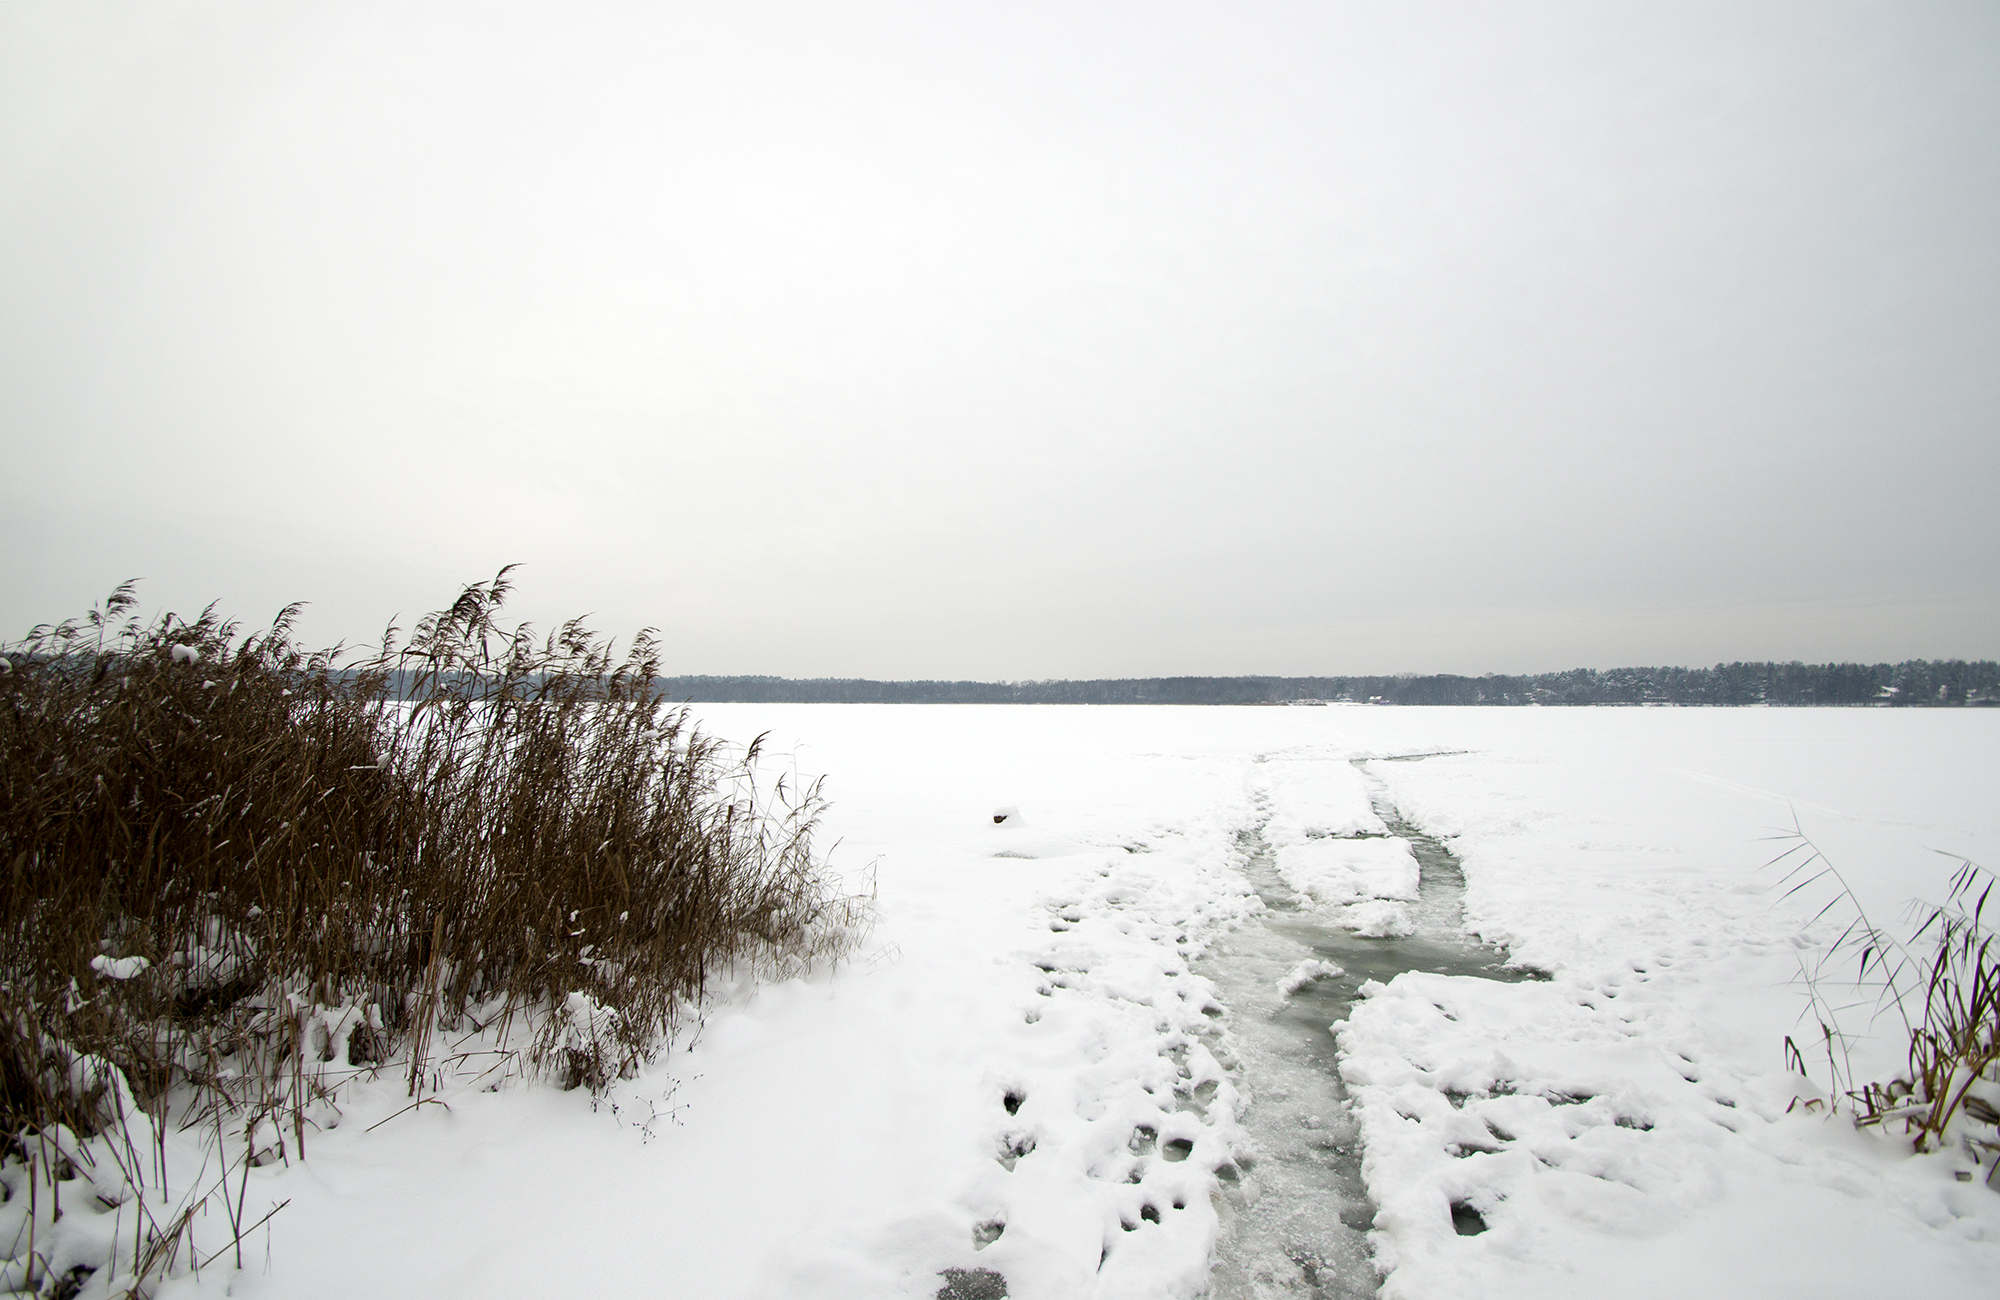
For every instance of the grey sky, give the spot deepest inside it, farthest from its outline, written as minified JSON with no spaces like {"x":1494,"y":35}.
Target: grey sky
{"x":1013,"y":339}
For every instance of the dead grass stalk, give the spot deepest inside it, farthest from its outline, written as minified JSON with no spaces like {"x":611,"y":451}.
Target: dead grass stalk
{"x":1941,"y":985}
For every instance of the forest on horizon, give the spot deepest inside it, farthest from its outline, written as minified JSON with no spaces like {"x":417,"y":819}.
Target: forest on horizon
{"x":1915,"y":682}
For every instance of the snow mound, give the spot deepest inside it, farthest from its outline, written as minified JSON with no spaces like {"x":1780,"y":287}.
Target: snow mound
{"x":1377,"y":919}
{"x":1316,"y":797}
{"x":1338,"y":872}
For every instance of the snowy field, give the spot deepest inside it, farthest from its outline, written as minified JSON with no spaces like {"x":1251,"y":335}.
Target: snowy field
{"x":1028,"y":1069}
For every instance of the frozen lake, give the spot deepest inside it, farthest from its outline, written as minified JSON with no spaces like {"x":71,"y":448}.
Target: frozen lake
{"x":1065,"y":1062}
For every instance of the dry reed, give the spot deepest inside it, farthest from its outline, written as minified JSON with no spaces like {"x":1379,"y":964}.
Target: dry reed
{"x":1942,"y":984}
{"x":230,"y":858}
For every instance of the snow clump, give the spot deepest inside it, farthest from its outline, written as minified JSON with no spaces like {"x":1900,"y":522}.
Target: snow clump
{"x":119,"y":968}
{"x":1305,"y":973}
{"x":1378,"y":919}
{"x":1338,"y":872}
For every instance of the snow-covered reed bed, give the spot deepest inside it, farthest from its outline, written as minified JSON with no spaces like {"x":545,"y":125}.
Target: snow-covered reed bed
{"x":239,"y":874}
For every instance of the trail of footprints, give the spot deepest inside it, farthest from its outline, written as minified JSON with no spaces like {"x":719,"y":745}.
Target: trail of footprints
{"x":1157,"y":1138}
{"x":1557,"y":1127}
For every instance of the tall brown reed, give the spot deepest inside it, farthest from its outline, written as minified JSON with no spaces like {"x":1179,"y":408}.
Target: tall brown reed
{"x":315,"y":861}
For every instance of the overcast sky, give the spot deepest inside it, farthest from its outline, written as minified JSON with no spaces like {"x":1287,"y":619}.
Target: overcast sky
{"x":1017,"y":340}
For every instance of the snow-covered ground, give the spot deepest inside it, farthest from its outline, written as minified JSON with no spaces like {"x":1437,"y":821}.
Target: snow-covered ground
{"x":1028,"y":1070}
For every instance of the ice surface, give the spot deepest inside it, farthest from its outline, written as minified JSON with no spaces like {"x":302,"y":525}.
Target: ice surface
{"x":1023,"y":1071}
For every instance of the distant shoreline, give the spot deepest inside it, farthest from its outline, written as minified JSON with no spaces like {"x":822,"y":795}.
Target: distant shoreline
{"x":1954,"y":683}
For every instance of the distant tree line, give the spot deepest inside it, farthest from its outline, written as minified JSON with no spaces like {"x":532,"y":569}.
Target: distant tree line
{"x":1917,"y":682}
